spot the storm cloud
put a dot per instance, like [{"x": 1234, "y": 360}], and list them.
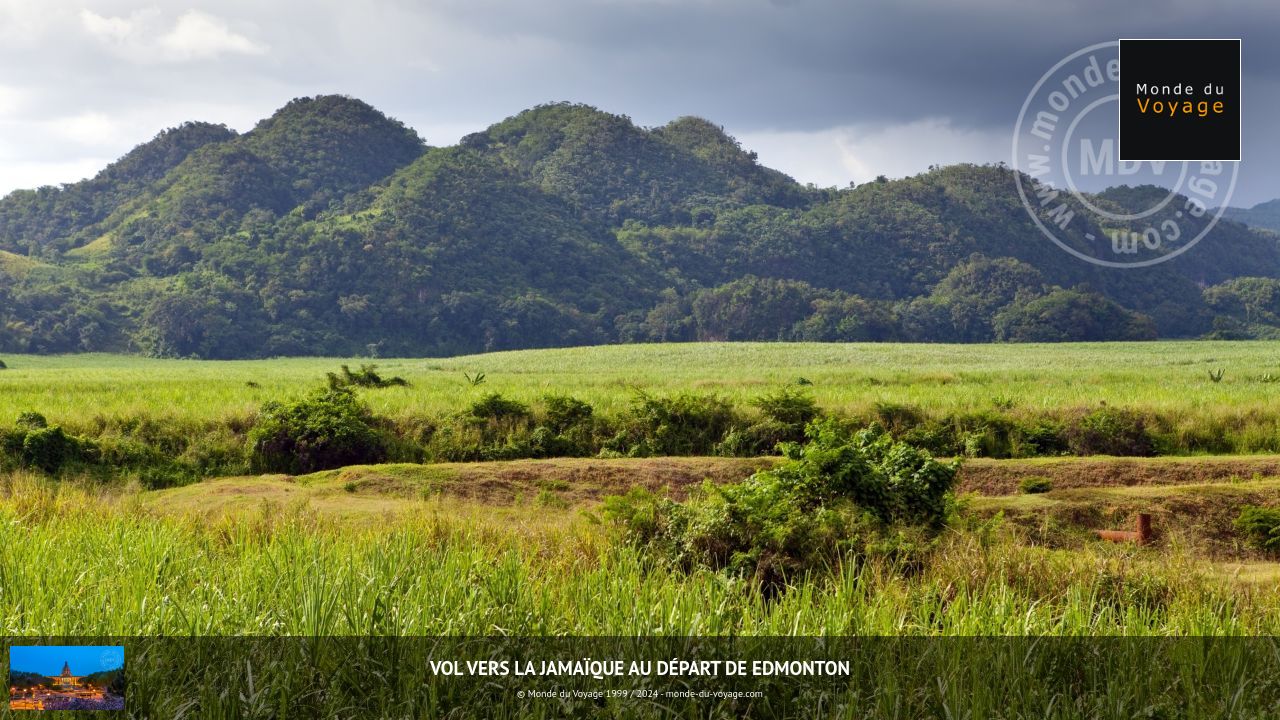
[{"x": 830, "y": 92}]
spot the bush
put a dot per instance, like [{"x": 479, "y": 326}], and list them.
[
  {"x": 328, "y": 429},
  {"x": 366, "y": 377},
  {"x": 11, "y": 446},
  {"x": 761, "y": 438},
  {"x": 684, "y": 424},
  {"x": 3, "y": 366},
  {"x": 898, "y": 417},
  {"x": 565, "y": 413},
  {"x": 32, "y": 420},
  {"x": 50, "y": 448},
  {"x": 1043, "y": 436},
  {"x": 985, "y": 434},
  {"x": 786, "y": 413},
  {"x": 1260, "y": 527},
  {"x": 1035, "y": 484},
  {"x": 33, "y": 443},
  {"x": 789, "y": 407},
  {"x": 838, "y": 493},
  {"x": 495, "y": 407},
  {"x": 1109, "y": 431}
]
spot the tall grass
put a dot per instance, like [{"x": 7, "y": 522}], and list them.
[
  {"x": 1165, "y": 376},
  {"x": 76, "y": 562}
]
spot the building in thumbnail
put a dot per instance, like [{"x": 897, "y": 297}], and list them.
[{"x": 65, "y": 680}]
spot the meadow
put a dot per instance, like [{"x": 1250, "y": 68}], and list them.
[
  {"x": 143, "y": 565},
  {"x": 1169, "y": 377},
  {"x": 522, "y": 549}
]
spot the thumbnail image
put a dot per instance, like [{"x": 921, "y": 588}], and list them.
[{"x": 66, "y": 677}]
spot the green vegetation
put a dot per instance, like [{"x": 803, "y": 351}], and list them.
[
  {"x": 366, "y": 377},
  {"x": 1035, "y": 484},
  {"x": 1261, "y": 527},
  {"x": 1263, "y": 215},
  {"x": 330, "y": 229},
  {"x": 325, "y": 430},
  {"x": 837, "y": 496},
  {"x": 168, "y": 422},
  {"x": 436, "y": 567}
]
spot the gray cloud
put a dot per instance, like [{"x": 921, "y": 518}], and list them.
[{"x": 834, "y": 80}]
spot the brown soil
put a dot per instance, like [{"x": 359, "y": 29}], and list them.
[
  {"x": 575, "y": 480},
  {"x": 1001, "y": 477}
]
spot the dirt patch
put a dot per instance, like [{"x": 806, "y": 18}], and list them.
[
  {"x": 587, "y": 480},
  {"x": 1001, "y": 477}
]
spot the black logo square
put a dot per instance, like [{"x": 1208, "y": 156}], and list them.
[{"x": 1179, "y": 100}]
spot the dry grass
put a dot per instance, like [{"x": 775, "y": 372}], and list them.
[
  {"x": 1001, "y": 477},
  {"x": 1194, "y": 519},
  {"x": 371, "y": 490}
]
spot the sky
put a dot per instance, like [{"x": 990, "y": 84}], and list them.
[
  {"x": 829, "y": 91},
  {"x": 48, "y": 659}
]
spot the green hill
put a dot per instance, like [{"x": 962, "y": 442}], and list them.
[
  {"x": 1263, "y": 215},
  {"x": 32, "y": 220},
  {"x": 330, "y": 228}
]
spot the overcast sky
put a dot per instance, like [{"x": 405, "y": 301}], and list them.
[{"x": 828, "y": 91}]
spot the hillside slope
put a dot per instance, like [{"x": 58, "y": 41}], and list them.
[
  {"x": 1264, "y": 215},
  {"x": 330, "y": 228}
]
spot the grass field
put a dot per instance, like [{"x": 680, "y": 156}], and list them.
[
  {"x": 176, "y": 571},
  {"x": 520, "y": 548},
  {"x": 322, "y": 559},
  {"x": 1171, "y": 377}
]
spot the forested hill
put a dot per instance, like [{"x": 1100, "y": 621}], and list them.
[
  {"x": 331, "y": 229},
  {"x": 1263, "y": 215}
]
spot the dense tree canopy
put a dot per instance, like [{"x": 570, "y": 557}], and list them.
[{"x": 332, "y": 229}]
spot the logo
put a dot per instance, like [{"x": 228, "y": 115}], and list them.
[
  {"x": 111, "y": 656},
  {"x": 1180, "y": 99},
  {"x": 1098, "y": 208}
]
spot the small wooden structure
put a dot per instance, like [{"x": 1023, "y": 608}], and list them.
[{"x": 1140, "y": 535}]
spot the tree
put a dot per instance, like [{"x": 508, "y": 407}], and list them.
[{"x": 1071, "y": 315}]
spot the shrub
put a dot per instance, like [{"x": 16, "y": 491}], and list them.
[
  {"x": 495, "y": 407},
  {"x": 1035, "y": 484},
  {"x": 788, "y": 406},
  {"x": 898, "y": 417},
  {"x": 760, "y": 438},
  {"x": 565, "y": 413},
  {"x": 785, "y": 415},
  {"x": 32, "y": 420},
  {"x": 549, "y": 499},
  {"x": 366, "y": 376},
  {"x": 544, "y": 442},
  {"x": 1109, "y": 431},
  {"x": 984, "y": 434},
  {"x": 684, "y": 424},
  {"x": 837, "y": 493},
  {"x": 1260, "y": 527},
  {"x": 1043, "y": 436},
  {"x": 49, "y": 448},
  {"x": 3, "y": 366},
  {"x": 11, "y": 446},
  {"x": 328, "y": 429}
]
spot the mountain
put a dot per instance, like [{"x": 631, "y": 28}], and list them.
[
  {"x": 31, "y": 220},
  {"x": 1263, "y": 215},
  {"x": 330, "y": 228}
]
